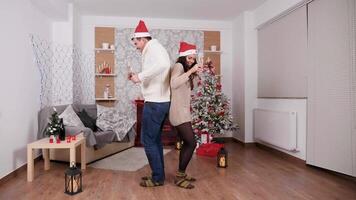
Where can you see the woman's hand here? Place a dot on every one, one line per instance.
(196, 68)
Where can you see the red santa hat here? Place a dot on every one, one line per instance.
(141, 30)
(187, 49)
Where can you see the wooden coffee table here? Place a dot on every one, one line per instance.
(46, 146)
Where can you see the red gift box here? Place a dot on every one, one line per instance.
(209, 149)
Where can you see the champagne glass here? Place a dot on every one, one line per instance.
(200, 61)
(129, 69)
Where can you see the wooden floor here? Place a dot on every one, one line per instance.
(253, 173)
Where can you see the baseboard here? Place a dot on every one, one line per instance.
(345, 176)
(232, 139)
(248, 144)
(281, 154)
(18, 171)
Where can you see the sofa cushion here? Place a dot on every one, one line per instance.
(89, 108)
(70, 118)
(87, 120)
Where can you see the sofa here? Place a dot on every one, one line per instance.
(99, 144)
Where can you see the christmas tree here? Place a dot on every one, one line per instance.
(211, 112)
(54, 124)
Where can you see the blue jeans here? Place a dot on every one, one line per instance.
(153, 118)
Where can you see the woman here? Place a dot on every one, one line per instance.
(182, 77)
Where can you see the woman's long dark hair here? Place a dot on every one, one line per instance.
(183, 60)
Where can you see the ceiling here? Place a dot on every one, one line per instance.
(182, 9)
(55, 9)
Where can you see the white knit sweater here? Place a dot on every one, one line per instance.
(155, 75)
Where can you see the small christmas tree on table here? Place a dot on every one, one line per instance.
(54, 124)
(211, 112)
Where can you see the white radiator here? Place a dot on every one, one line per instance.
(277, 128)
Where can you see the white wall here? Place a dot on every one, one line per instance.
(245, 72)
(62, 36)
(19, 81)
(85, 35)
(250, 74)
(238, 73)
(62, 31)
(271, 9)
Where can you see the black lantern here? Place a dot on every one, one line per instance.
(179, 144)
(222, 158)
(73, 180)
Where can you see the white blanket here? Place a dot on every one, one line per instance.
(112, 120)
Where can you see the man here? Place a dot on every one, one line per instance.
(154, 80)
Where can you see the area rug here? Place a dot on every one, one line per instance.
(131, 159)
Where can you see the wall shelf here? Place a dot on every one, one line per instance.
(208, 51)
(105, 58)
(212, 38)
(105, 50)
(106, 99)
(97, 74)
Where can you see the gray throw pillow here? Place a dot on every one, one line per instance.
(70, 118)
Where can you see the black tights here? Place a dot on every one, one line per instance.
(185, 133)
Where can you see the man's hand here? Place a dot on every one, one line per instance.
(134, 78)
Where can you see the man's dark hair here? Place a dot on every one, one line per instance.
(139, 38)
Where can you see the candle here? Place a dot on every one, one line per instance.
(68, 139)
(75, 185)
(58, 140)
